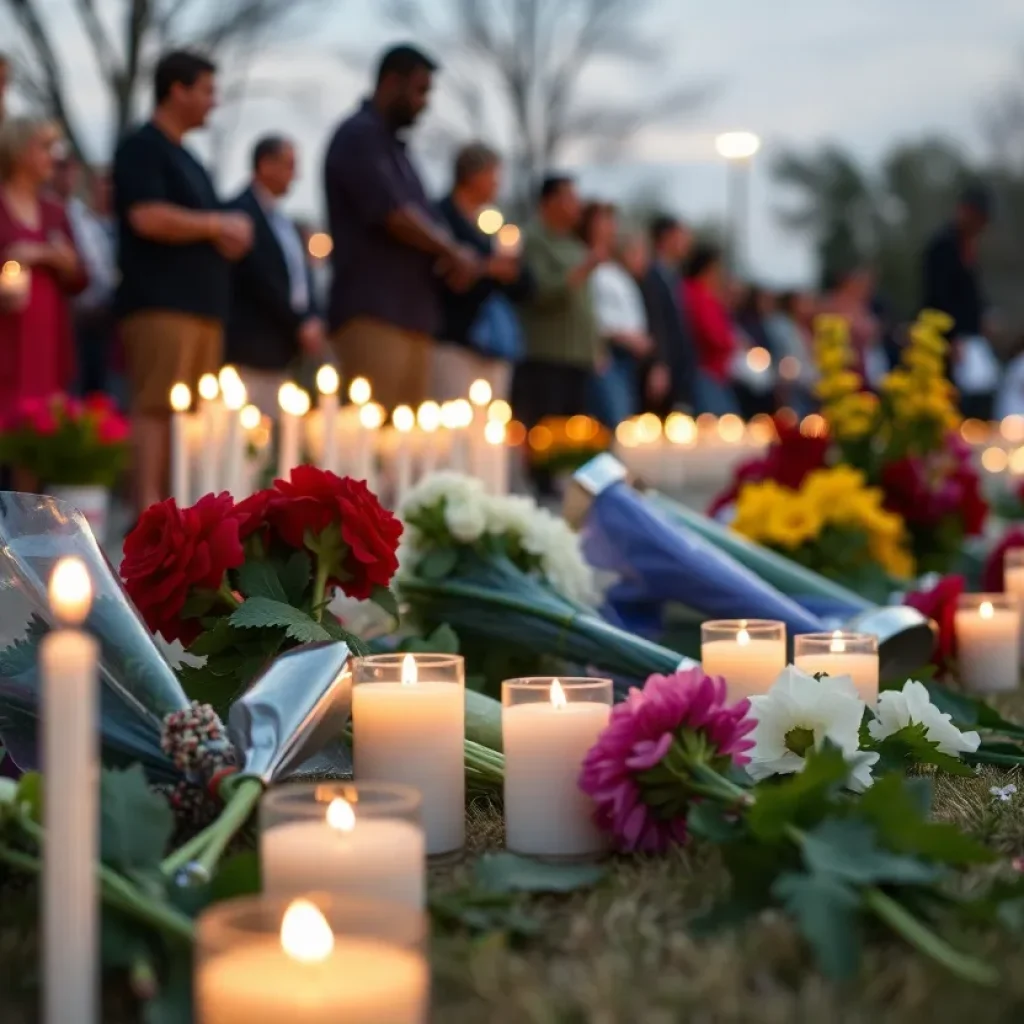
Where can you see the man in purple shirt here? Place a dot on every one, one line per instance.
(390, 248)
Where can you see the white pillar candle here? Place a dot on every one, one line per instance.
(371, 417)
(404, 420)
(68, 663)
(345, 851)
(413, 732)
(234, 437)
(480, 395)
(988, 642)
(310, 976)
(545, 742)
(748, 653)
(294, 403)
(495, 466)
(327, 384)
(209, 453)
(428, 418)
(1013, 575)
(181, 399)
(455, 418)
(841, 654)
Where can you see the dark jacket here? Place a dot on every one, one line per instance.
(459, 310)
(951, 284)
(262, 328)
(671, 332)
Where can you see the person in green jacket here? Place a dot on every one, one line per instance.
(562, 341)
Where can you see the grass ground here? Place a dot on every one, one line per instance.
(621, 952)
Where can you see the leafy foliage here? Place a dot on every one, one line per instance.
(910, 745)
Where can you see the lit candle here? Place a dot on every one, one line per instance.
(509, 239)
(362, 840)
(294, 403)
(15, 284)
(327, 384)
(1013, 575)
(253, 431)
(68, 660)
(235, 398)
(428, 419)
(455, 418)
(404, 420)
(495, 466)
(304, 973)
(841, 654)
(209, 451)
(748, 653)
(371, 417)
(988, 642)
(547, 728)
(480, 394)
(181, 399)
(408, 727)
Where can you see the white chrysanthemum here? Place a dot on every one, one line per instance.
(912, 705)
(431, 489)
(510, 514)
(798, 714)
(466, 519)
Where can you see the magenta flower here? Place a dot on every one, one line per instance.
(639, 771)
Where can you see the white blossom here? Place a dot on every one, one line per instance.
(466, 519)
(912, 705)
(1003, 793)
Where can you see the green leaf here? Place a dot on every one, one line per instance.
(970, 712)
(707, 820)
(262, 613)
(507, 872)
(383, 598)
(896, 808)
(260, 579)
(237, 876)
(213, 641)
(330, 549)
(911, 746)
(437, 563)
(208, 688)
(801, 800)
(356, 644)
(826, 912)
(444, 640)
(173, 1001)
(30, 792)
(198, 604)
(847, 849)
(136, 823)
(482, 913)
(295, 576)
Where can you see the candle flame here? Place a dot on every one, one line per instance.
(371, 416)
(494, 432)
(71, 591)
(359, 391)
(557, 695)
(743, 637)
(228, 378)
(327, 380)
(480, 392)
(986, 611)
(340, 815)
(838, 645)
(499, 411)
(234, 393)
(11, 269)
(428, 416)
(250, 417)
(409, 674)
(404, 419)
(292, 399)
(305, 934)
(209, 389)
(181, 397)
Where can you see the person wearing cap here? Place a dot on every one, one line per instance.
(952, 284)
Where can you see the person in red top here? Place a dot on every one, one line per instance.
(712, 330)
(36, 346)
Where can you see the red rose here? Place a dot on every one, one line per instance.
(252, 513)
(112, 429)
(173, 551)
(939, 604)
(973, 507)
(314, 499)
(992, 575)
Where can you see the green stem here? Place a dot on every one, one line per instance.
(985, 757)
(901, 921)
(232, 818)
(320, 587)
(176, 860)
(225, 594)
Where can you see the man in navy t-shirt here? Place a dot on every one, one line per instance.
(175, 245)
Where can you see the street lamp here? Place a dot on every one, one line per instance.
(738, 149)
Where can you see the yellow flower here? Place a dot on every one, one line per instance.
(835, 385)
(892, 557)
(925, 338)
(936, 320)
(831, 327)
(922, 362)
(754, 504)
(832, 359)
(825, 487)
(793, 523)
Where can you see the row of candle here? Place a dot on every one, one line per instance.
(209, 447)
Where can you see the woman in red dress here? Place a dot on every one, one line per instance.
(36, 346)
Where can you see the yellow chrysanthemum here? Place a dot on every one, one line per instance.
(832, 359)
(893, 558)
(793, 523)
(754, 504)
(922, 362)
(824, 487)
(835, 385)
(928, 340)
(936, 319)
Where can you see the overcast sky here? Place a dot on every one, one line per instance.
(797, 72)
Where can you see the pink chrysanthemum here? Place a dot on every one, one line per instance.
(636, 773)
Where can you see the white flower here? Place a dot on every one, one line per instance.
(431, 489)
(1003, 793)
(911, 705)
(466, 520)
(798, 714)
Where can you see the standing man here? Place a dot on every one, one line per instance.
(175, 248)
(562, 343)
(272, 319)
(389, 247)
(670, 376)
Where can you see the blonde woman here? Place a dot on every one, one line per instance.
(36, 351)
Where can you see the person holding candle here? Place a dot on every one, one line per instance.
(273, 319)
(479, 337)
(35, 237)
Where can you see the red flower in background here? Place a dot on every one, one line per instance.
(252, 512)
(939, 604)
(173, 551)
(992, 581)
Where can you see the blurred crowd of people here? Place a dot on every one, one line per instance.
(145, 276)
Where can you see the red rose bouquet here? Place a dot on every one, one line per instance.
(66, 442)
(238, 583)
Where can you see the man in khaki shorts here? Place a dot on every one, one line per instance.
(175, 245)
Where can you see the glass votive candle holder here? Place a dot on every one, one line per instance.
(841, 654)
(317, 959)
(548, 726)
(748, 653)
(1013, 579)
(988, 642)
(409, 727)
(363, 839)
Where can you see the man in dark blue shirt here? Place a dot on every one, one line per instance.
(390, 248)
